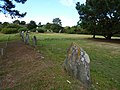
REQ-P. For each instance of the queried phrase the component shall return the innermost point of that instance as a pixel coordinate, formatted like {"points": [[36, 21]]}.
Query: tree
{"points": [[56, 28], [57, 21], [5, 24], [7, 7], [22, 23], [31, 25], [16, 22], [39, 24], [47, 26], [100, 17]]}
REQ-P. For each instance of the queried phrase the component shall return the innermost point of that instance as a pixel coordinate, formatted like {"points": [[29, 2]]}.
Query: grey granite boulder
{"points": [[77, 64]]}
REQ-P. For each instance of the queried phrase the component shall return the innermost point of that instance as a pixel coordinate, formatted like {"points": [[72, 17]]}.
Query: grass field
{"points": [[105, 61], [105, 57]]}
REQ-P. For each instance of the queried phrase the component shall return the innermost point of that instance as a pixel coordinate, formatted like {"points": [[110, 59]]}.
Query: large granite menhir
{"points": [[77, 64]]}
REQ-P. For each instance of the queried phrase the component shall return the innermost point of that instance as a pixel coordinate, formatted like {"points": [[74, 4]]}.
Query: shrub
{"points": [[23, 29], [41, 30], [116, 35], [9, 30], [70, 31], [13, 26], [33, 30]]}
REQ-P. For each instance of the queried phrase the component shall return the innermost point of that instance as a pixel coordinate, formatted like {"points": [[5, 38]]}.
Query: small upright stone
{"points": [[22, 35], [77, 64], [34, 41], [27, 41]]}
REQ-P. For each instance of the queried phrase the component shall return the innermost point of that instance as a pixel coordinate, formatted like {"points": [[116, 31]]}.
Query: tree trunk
{"points": [[93, 36]]}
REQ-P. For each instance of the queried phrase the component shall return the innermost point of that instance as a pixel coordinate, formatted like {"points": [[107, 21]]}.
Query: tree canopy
{"points": [[57, 21], [31, 25], [16, 22], [100, 17], [7, 7]]}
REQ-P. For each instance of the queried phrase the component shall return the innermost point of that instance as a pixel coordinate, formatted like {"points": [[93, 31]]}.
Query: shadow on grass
{"points": [[117, 41]]}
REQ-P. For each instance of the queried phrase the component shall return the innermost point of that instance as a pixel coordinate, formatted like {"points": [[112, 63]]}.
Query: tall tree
{"points": [[39, 24], [32, 25], [56, 28], [7, 7], [57, 21], [100, 17]]}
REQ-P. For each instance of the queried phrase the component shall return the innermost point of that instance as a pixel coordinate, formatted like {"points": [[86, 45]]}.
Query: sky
{"points": [[45, 11]]}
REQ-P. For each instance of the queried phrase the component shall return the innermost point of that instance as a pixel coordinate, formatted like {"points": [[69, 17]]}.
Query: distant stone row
{"points": [[26, 38]]}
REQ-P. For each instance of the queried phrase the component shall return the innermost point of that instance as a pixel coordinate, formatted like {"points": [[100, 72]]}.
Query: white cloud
{"points": [[67, 21], [5, 18]]}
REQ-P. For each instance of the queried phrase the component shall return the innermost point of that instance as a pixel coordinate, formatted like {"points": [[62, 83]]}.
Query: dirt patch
{"points": [[19, 63]]}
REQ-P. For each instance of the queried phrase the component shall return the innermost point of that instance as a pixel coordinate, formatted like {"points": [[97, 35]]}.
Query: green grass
{"points": [[105, 62], [8, 37], [105, 57]]}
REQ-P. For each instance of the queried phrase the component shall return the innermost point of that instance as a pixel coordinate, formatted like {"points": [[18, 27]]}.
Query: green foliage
{"points": [[53, 27], [100, 17], [22, 23], [13, 26], [69, 31], [5, 24], [75, 30], [16, 22], [23, 29], [56, 28], [57, 21], [39, 24], [7, 7], [0, 27], [31, 25], [9, 30], [41, 30]]}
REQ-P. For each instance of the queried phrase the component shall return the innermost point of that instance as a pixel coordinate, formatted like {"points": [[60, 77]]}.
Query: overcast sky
{"points": [[46, 10]]}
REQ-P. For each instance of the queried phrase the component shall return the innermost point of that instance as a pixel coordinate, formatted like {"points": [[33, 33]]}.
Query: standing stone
{"points": [[34, 41], [60, 31], [77, 64], [22, 35], [27, 41], [2, 51]]}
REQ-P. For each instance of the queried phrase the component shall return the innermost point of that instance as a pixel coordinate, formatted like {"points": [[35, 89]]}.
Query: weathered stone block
{"points": [[27, 41], [22, 35], [77, 64]]}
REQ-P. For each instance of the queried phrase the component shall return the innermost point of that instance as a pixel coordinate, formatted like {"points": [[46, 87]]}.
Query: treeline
{"points": [[55, 27]]}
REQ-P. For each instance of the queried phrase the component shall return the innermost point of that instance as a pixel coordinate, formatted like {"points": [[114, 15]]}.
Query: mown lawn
{"points": [[105, 57], [105, 62]]}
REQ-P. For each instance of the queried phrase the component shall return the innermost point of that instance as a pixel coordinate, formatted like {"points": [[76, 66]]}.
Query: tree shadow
{"points": [[117, 41]]}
